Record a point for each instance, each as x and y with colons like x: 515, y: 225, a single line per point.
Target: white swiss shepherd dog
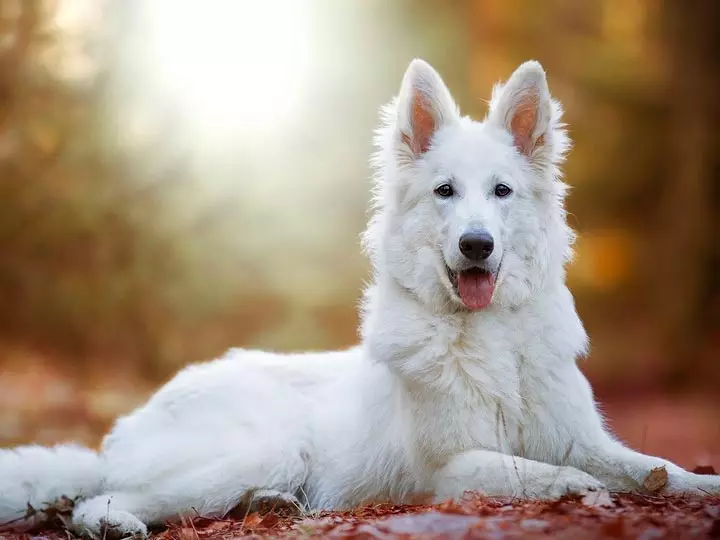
x: 466, y: 377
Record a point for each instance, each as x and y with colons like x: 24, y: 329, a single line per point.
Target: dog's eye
x: 501, y: 190
x: 444, y: 191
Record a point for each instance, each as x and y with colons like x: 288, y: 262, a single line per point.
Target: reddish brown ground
x: 623, y: 517
x: 478, y: 517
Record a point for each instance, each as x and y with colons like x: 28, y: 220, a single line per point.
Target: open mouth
x: 474, y: 286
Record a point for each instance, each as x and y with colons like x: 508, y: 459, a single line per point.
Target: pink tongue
x: 476, y: 289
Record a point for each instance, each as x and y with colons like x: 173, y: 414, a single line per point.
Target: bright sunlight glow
x: 230, y: 65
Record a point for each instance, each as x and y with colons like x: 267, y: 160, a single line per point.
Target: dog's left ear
x: 523, y: 107
x: 424, y: 105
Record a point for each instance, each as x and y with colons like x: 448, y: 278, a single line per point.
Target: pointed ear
x: 524, y: 108
x: 424, y: 105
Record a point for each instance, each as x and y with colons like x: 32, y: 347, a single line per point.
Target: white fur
x: 435, y: 401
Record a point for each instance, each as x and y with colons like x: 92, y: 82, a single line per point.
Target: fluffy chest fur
x: 489, y: 380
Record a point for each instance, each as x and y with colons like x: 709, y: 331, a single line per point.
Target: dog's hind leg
x: 117, y: 513
x: 211, y: 487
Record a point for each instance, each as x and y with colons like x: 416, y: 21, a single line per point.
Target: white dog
x: 466, y: 377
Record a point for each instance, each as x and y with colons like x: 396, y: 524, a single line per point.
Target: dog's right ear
x: 424, y: 105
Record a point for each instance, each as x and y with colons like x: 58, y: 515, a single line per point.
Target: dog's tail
x: 33, y: 479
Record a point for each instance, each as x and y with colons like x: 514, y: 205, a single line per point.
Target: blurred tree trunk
x: 686, y: 234
x: 12, y: 60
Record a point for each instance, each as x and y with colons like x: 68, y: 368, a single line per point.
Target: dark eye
x: 444, y: 191
x: 501, y: 190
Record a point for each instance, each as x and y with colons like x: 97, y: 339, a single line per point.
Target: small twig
x: 107, y: 517
x: 711, y: 495
x: 192, y: 524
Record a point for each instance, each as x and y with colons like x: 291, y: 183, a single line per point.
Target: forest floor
x: 594, y: 517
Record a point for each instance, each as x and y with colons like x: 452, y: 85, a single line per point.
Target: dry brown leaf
x: 252, y: 520
x: 656, y: 480
x: 187, y: 533
x: 268, y: 521
x: 215, y: 526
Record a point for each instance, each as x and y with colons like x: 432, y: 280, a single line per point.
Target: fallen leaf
x: 598, y: 499
x: 186, y: 533
x: 656, y: 480
x: 252, y: 520
x: 269, y: 521
x: 214, y: 526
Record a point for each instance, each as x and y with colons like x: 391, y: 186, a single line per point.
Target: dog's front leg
x: 592, y: 449
x: 623, y: 469
x: 496, y: 474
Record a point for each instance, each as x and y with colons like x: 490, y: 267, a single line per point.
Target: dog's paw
x: 120, y: 524
x: 114, y: 525
x: 683, y: 482
x: 270, y: 500
x: 567, y: 481
x: 267, y: 500
x: 103, y: 518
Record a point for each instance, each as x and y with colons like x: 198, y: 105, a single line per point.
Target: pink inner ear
x: 523, y: 122
x: 422, y: 124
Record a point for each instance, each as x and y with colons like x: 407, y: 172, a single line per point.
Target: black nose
x: 476, y: 245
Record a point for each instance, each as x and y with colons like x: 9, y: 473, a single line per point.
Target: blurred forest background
x: 178, y: 177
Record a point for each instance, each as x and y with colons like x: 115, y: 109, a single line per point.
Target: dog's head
x: 469, y: 214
